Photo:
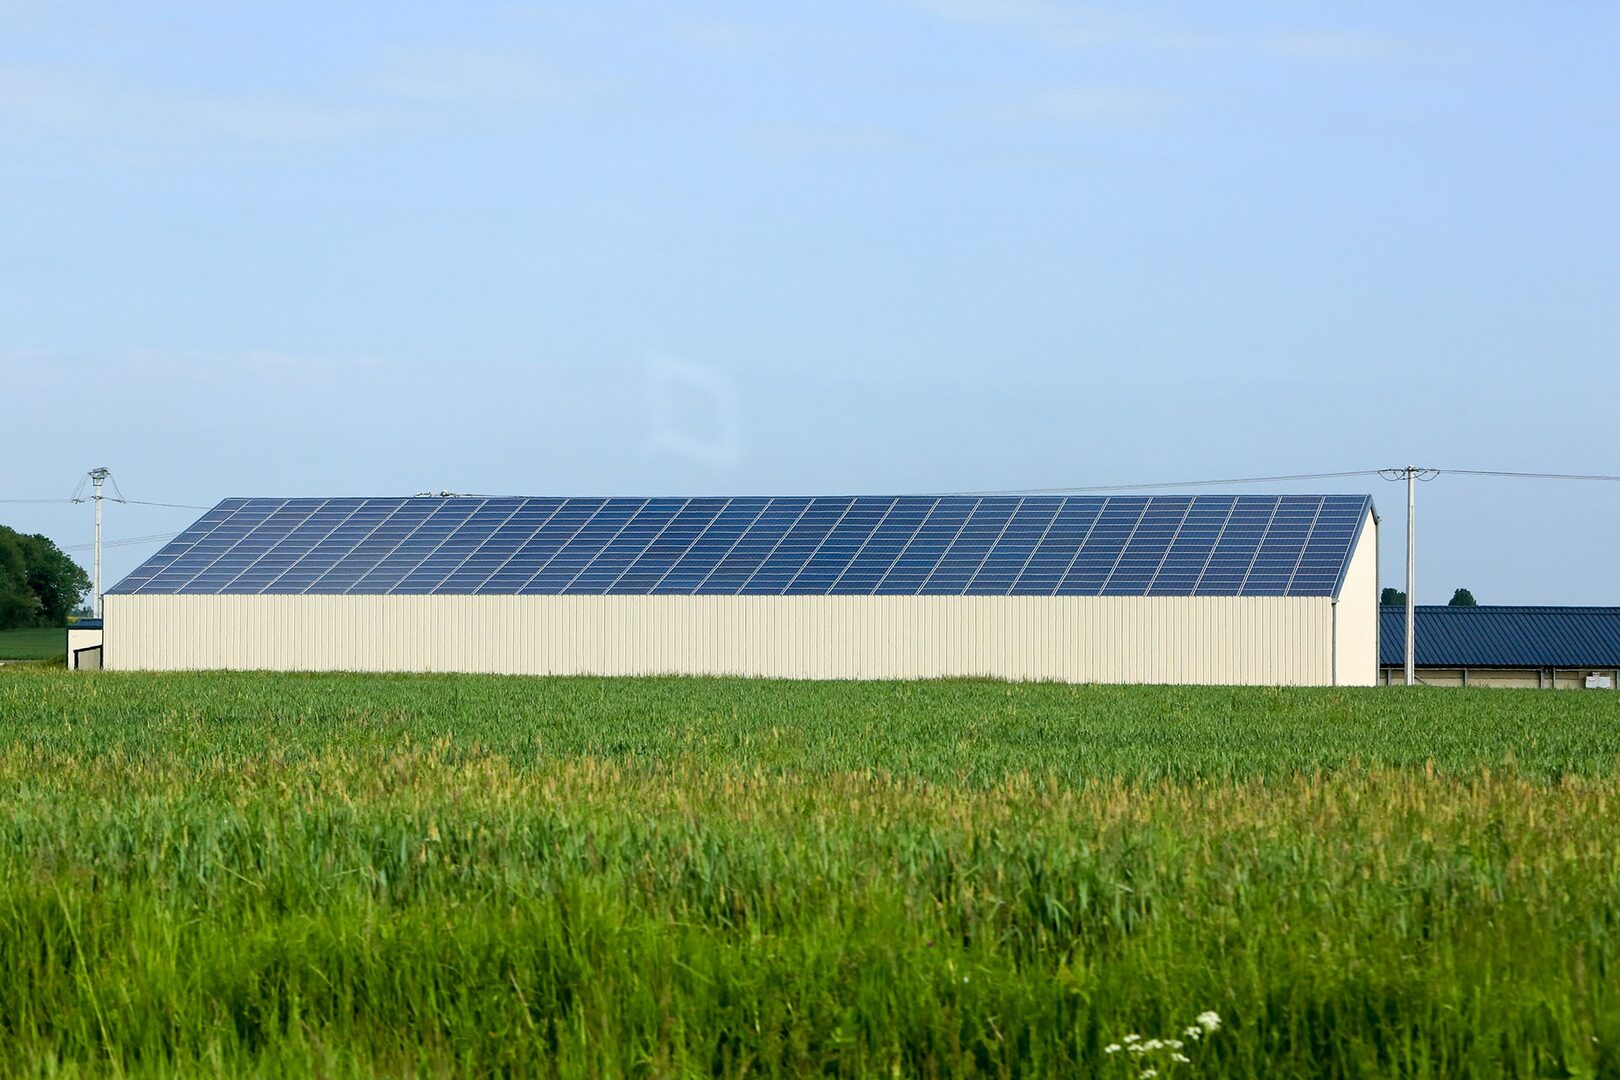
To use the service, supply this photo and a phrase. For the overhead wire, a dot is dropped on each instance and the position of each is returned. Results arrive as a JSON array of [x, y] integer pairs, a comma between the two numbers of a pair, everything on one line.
[[127, 502], [175, 506], [1531, 475], [125, 542], [1161, 485], [1425, 474]]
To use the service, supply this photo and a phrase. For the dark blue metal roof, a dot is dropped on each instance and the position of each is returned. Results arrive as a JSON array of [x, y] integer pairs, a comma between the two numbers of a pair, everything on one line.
[[1534, 637], [1118, 545]]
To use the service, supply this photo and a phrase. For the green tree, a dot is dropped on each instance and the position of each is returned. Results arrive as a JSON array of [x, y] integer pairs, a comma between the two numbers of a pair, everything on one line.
[[18, 604], [39, 583], [1393, 598], [1463, 598]]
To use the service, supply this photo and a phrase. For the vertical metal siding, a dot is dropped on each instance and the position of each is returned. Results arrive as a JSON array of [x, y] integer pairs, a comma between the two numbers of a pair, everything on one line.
[[1356, 643], [1219, 640]]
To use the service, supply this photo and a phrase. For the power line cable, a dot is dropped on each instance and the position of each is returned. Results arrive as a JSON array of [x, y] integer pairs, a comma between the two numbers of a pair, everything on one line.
[[125, 542], [1079, 490], [1398, 473], [173, 506], [127, 502], [1530, 475]]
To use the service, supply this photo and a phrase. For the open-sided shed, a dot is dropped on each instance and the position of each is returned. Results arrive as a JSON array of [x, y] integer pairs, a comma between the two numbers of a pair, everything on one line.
[[1543, 647]]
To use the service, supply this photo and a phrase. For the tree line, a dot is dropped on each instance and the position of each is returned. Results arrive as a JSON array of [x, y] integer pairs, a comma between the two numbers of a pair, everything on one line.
[[1397, 598], [39, 583]]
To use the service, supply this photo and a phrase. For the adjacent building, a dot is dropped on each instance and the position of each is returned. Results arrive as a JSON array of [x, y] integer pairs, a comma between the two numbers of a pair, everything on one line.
[[1554, 648], [84, 645], [1217, 589]]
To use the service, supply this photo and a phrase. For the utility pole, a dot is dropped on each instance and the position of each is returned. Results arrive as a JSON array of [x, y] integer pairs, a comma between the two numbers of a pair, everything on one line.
[[1411, 572], [98, 476], [1411, 474]]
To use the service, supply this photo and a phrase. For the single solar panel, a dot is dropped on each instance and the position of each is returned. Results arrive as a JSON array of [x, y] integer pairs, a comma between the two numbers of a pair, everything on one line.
[[1122, 545]]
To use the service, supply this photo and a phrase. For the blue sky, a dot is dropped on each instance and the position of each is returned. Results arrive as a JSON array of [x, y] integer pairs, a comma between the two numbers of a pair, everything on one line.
[[946, 245]]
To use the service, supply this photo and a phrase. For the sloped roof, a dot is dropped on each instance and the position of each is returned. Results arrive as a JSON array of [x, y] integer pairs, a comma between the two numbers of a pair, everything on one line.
[[1498, 636], [1119, 545]]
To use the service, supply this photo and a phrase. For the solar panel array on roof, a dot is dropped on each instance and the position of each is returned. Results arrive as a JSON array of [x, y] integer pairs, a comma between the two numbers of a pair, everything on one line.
[[1246, 545]]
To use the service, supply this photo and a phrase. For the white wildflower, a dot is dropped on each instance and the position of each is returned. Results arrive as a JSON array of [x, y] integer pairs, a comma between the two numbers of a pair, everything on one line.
[[1194, 1032], [1148, 1074], [1209, 1021], [1111, 1048], [1174, 1044], [1183, 1058], [1132, 1038], [1153, 1044]]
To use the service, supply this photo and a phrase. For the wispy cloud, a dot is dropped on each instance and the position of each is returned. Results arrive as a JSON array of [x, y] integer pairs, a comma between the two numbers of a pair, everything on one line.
[[447, 80], [259, 361], [401, 92], [1086, 25], [1098, 106], [1054, 23], [1338, 46], [794, 140], [195, 363], [67, 102], [721, 38]]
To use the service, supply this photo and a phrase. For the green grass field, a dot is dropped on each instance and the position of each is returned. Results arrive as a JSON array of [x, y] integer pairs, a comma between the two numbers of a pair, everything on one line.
[[354, 876], [44, 644]]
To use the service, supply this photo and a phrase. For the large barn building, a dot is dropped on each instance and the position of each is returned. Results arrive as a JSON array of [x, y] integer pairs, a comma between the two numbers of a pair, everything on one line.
[[1164, 589]]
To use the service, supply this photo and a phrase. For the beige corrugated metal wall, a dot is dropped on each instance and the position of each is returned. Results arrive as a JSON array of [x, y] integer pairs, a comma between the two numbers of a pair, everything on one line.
[[1356, 640], [1223, 640]]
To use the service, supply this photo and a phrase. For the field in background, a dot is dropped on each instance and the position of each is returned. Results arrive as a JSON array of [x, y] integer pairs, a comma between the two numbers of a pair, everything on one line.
[[42, 644], [353, 875]]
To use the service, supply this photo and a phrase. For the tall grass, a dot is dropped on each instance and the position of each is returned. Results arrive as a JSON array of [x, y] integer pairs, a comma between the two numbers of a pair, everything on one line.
[[343, 876], [951, 732]]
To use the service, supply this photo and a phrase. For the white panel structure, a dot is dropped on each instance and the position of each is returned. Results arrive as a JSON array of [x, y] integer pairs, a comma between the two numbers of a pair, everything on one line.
[[1356, 623], [1223, 590], [1228, 640], [84, 647]]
